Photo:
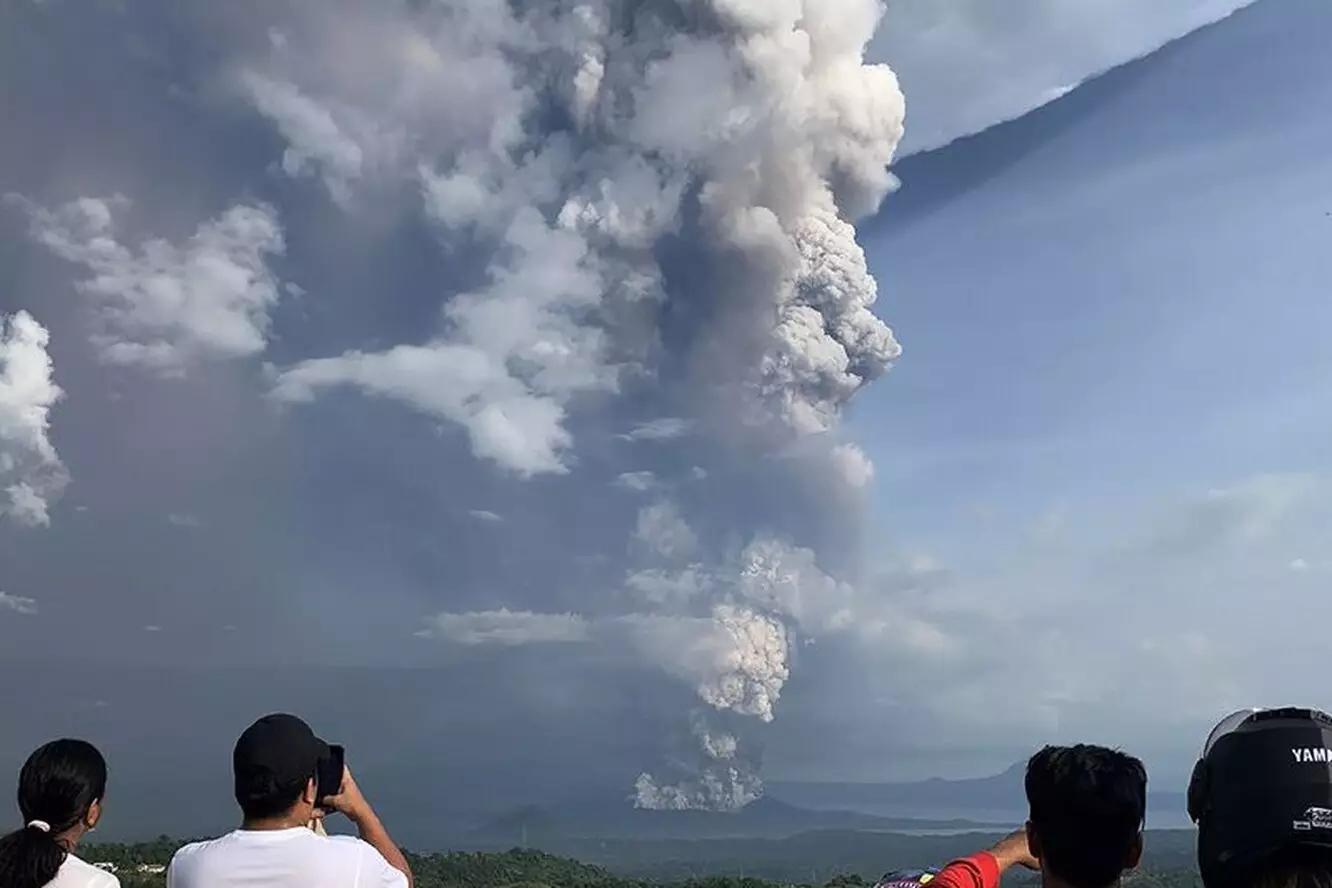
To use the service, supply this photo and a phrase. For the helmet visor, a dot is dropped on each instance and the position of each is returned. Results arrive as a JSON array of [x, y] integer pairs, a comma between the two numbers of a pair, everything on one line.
[[1228, 725], [1241, 717]]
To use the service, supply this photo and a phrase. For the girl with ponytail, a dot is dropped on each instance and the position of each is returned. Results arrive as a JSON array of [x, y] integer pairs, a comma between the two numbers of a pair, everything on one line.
[[60, 797]]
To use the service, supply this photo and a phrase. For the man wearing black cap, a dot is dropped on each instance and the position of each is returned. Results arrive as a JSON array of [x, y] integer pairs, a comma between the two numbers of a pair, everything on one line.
[[1261, 794], [278, 763]]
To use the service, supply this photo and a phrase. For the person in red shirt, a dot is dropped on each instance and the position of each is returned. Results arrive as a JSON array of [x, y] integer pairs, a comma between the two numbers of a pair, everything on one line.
[[1087, 805], [984, 868]]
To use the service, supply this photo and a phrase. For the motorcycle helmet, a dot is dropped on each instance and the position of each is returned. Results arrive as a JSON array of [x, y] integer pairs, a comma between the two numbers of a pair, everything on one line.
[[1261, 787]]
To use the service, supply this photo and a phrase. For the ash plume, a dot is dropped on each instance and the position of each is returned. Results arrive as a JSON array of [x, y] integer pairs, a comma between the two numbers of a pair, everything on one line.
[[671, 209], [662, 197], [745, 135], [711, 773], [759, 601]]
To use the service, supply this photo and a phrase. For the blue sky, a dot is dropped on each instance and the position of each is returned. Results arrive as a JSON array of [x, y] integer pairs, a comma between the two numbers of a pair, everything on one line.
[[1132, 304], [1112, 409]]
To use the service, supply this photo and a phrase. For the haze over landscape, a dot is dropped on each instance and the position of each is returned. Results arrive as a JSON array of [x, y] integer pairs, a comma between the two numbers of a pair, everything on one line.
[[559, 447]]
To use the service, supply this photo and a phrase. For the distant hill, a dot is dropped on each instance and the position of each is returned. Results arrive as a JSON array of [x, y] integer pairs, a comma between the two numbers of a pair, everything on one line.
[[616, 818], [1000, 793], [814, 857]]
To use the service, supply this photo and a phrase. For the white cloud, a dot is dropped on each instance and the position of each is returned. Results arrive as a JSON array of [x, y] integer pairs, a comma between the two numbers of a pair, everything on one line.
[[316, 141], [664, 532], [1252, 510], [31, 473], [662, 429], [512, 360], [852, 465], [509, 628], [485, 515], [969, 64], [639, 481], [164, 305], [1137, 630], [17, 603], [671, 590], [735, 657]]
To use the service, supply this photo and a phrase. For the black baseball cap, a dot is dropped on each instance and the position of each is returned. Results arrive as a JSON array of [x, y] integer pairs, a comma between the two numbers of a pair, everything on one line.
[[1262, 789], [275, 754]]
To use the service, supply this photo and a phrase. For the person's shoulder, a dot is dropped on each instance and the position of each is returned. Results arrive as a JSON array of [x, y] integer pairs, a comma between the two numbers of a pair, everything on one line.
[[349, 845], [191, 849], [100, 878], [78, 873], [186, 855], [355, 854], [373, 866]]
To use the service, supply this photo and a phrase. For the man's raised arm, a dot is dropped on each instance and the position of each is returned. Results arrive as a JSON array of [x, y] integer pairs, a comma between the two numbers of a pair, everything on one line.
[[353, 804], [983, 869]]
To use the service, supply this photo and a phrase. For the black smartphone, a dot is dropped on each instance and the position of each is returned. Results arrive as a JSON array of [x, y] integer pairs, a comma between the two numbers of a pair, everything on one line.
[[328, 776]]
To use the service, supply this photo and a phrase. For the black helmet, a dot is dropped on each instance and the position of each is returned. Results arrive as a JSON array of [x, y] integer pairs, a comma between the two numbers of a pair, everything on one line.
[[1262, 786]]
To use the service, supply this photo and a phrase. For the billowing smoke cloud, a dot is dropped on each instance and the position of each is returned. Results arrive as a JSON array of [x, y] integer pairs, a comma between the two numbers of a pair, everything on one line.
[[32, 475], [755, 129], [711, 775], [660, 196], [669, 191], [738, 656]]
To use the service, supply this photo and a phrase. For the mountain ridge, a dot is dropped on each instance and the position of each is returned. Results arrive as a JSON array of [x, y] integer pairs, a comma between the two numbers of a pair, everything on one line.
[[605, 817], [1002, 792]]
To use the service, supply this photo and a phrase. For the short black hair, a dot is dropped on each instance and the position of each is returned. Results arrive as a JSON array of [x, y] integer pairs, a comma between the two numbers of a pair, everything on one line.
[[1087, 808], [273, 762], [274, 800]]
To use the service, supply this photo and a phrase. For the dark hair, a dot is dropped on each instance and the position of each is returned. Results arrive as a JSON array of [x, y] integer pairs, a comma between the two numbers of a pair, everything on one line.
[[275, 799], [58, 784], [273, 762], [1087, 808]]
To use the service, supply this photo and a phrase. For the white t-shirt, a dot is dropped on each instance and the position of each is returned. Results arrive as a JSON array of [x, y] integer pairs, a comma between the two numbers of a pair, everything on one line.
[[74, 873], [283, 858]]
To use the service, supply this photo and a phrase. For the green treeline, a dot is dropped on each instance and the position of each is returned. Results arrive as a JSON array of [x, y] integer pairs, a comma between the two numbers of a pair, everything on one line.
[[526, 868]]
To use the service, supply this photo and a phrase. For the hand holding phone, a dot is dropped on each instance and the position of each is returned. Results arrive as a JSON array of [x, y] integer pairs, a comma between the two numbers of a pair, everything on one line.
[[350, 801], [329, 775]]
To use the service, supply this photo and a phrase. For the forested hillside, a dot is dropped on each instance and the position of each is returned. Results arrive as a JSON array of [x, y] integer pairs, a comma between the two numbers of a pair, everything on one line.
[[138, 866]]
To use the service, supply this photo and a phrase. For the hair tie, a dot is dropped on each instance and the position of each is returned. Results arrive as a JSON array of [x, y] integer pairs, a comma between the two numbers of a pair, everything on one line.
[[39, 824]]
